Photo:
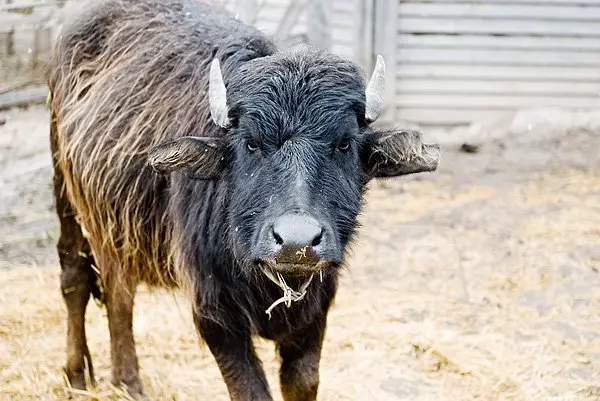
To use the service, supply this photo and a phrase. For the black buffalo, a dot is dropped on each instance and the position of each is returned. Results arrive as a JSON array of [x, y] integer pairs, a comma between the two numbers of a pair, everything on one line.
[[190, 152]]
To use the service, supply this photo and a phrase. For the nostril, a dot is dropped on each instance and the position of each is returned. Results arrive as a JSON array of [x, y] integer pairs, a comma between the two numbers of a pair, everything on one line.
[[278, 239], [294, 230], [317, 240]]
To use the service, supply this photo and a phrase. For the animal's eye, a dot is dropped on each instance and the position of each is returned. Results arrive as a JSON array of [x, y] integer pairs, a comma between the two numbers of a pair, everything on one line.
[[344, 145], [251, 145]]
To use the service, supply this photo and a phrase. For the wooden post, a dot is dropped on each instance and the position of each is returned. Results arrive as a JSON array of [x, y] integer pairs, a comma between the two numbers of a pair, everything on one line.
[[290, 18], [319, 23], [385, 41], [35, 49], [364, 37], [248, 10], [10, 42]]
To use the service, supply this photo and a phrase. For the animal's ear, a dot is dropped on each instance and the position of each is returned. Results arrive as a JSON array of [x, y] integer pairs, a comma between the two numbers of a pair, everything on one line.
[[392, 153], [197, 157]]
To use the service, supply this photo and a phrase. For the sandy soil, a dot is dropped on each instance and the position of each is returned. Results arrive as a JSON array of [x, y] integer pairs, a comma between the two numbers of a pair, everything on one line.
[[478, 282]]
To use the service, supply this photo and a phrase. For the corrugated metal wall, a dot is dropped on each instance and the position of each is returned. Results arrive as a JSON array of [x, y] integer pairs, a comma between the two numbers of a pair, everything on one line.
[[463, 60]]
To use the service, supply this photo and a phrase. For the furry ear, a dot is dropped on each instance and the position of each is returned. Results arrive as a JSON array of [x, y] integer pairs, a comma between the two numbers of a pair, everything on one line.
[[197, 157], [392, 153]]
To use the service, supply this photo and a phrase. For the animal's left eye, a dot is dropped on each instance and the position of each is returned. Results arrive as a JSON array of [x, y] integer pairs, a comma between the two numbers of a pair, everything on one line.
[[252, 145], [344, 145]]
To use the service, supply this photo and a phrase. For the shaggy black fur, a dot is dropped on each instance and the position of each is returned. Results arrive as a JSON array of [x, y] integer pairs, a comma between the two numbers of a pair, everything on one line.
[[298, 142]]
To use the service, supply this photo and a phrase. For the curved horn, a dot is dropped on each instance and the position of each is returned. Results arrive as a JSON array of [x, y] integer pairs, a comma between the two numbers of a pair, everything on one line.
[[217, 95], [375, 92]]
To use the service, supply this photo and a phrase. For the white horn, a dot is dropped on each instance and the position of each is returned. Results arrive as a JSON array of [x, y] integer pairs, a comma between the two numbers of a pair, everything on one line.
[[217, 95], [375, 92]]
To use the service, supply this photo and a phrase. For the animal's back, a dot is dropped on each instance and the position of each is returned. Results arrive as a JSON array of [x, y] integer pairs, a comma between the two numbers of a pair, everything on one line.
[[127, 74]]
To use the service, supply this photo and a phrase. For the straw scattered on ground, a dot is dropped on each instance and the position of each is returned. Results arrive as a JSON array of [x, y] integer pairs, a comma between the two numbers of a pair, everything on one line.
[[464, 285]]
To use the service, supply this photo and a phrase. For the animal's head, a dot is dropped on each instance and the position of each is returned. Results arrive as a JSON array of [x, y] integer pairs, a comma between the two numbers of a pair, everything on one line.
[[296, 149]]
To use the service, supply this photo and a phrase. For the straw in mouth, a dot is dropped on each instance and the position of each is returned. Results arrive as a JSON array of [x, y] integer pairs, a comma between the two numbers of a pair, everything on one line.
[[289, 294]]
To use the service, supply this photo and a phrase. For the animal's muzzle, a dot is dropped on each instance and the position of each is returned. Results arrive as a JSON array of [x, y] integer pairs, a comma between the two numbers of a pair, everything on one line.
[[296, 243]]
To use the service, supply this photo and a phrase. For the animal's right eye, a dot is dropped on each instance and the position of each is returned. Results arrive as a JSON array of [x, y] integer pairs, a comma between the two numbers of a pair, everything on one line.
[[344, 145], [251, 145]]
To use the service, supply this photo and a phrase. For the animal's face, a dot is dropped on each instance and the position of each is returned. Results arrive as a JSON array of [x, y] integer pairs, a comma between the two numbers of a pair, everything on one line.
[[297, 151], [296, 191]]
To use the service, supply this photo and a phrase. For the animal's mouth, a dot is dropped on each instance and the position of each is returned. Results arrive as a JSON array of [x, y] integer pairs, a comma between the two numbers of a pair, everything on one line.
[[304, 274], [294, 270]]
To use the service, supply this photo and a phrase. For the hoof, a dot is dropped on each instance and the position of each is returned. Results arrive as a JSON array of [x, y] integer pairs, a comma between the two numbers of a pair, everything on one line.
[[134, 388], [139, 396], [76, 374], [76, 379]]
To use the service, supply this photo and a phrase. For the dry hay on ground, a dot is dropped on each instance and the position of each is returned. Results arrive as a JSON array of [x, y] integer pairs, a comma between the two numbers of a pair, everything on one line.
[[467, 292]]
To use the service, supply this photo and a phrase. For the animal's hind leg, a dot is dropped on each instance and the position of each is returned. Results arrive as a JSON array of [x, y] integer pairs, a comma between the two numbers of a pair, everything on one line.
[[77, 282], [77, 278]]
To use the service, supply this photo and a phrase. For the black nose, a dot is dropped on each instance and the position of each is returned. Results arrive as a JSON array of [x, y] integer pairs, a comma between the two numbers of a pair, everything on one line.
[[297, 230], [296, 243], [298, 239]]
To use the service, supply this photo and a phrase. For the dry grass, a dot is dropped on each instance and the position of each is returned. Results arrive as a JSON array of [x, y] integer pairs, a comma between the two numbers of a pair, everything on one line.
[[467, 292]]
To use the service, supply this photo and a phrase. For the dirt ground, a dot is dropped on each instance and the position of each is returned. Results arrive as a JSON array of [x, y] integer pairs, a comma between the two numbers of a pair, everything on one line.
[[478, 282]]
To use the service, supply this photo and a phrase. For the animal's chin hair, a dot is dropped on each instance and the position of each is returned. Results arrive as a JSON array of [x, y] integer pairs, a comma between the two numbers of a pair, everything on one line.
[[250, 271], [253, 272]]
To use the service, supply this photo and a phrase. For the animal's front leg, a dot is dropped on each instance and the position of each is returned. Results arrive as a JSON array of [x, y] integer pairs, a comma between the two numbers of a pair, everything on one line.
[[301, 354], [232, 347], [120, 295]]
